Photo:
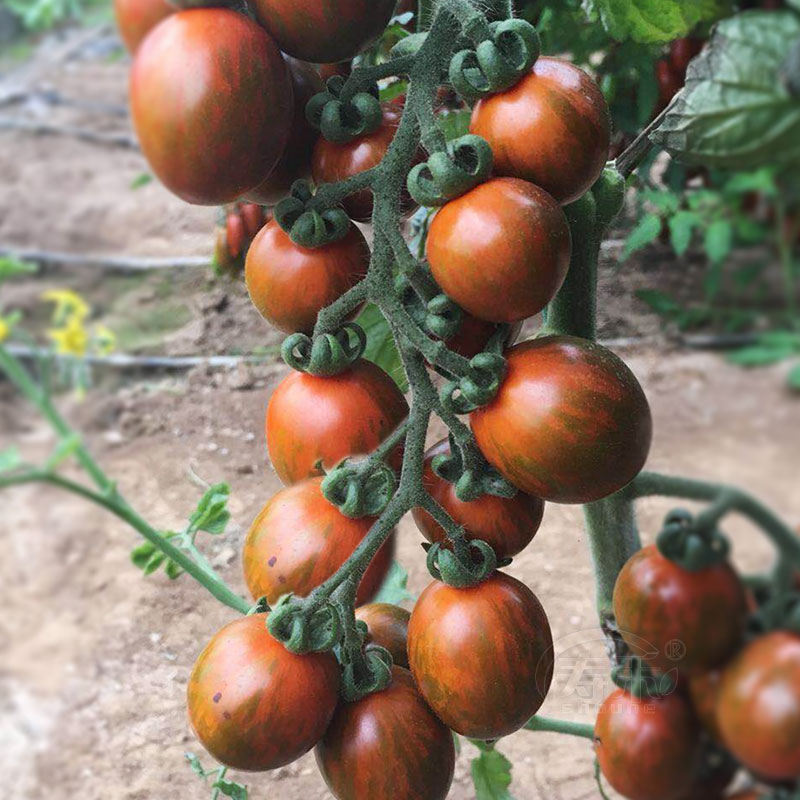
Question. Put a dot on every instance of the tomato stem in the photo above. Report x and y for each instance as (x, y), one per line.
(549, 725)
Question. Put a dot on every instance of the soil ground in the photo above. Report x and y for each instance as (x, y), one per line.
(94, 657)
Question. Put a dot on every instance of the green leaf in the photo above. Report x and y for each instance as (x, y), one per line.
(154, 562)
(142, 554)
(9, 459)
(393, 90)
(681, 227)
(645, 233)
(211, 514)
(491, 774)
(173, 570)
(65, 449)
(394, 587)
(141, 180)
(719, 240)
(659, 301)
(196, 766)
(381, 348)
(11, 267)
(230, 789)
(736, 112)
(762, 180)
(793, 378)
(760, 355)
(750, 231)
(663, 201)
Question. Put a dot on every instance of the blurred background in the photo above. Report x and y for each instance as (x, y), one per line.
(163, 365)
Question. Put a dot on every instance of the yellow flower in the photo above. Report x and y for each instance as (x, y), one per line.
(68, 305)
(5, 329)
(8, 323)
(104, 340)
(71, 338)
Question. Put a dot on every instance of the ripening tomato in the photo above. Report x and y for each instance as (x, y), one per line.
(669, 83)
(335, 162)
(323, 31)
(299, 540)
(483, 656)
(387, 745)
(682, 51)
(212, 104)
(647, 749)
(553, 128)
(234, 229)
(253, 217)
(704, 692)
(474, 334)
(501, 250)
(295, 163)
(388, 627)
(711, 781)
(570, 423)
(313, 422)
(676, 619)
(136, 18)
(290, 285)
(253, 704)
(759, 706)
(507, 524)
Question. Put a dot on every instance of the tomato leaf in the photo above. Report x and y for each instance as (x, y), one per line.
(394, 587)
(719, 240)
(736, 111)
(230, 789)
(11, 267)
(645, 233)
(659, 301)
(196, 766)
(681, 227)
(491, 774)
(760, 355)
(381, 349)
(141, 555)
(211, 514)
(9, 459)
(793, 378)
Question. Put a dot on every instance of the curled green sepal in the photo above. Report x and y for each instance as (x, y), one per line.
(685, 544)
(471, 483)
(261, 606)
(368, 672)
(449, 173)
(444, 317)
(307, 226)
(636, 678)
(467, 564)
(357, 492)
(300, 632)
(327, 354)
(478, 387)
(498, 63)
(341, 121)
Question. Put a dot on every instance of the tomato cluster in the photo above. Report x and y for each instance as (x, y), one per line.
(237, 227)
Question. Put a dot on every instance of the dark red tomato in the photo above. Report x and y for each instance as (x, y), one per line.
(253, 704)
(389, 744)
(234, 228)
(323, 31)
(669, 81)
(570, 423)
(313, 423)
(704, 692)
(474, 334)
(710, 783)
(299, 540)
(335, 162)
(343, 68)
(295, 163)
(517, 229)
(290, 285)
(647, 749)
(136, 18)
(253, 217)
(482, 657)
(212, 104)
(759, 706)
(682, 51)
(388, 627)
(553, 129)
(508, 525)
(676, 619)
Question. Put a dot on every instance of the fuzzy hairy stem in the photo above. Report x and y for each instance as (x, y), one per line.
(549, 725)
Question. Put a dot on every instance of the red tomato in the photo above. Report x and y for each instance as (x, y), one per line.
(759, 706)
(704, 692)
(313, 423)
(388, 745)
(253, 704)
(647, 749)
(253, 217)
(295, 163)
(682, 51)
(290, 285)
(482, 657)
(299, 540)
(136, 18)
(234, 228)
(323, 31)
(474, 334)
(212, 104)
(710, 782)
(553, 129)
(676, 619)
(669, 83)
(388, 627)
(570, 423)
(508, 525)
(501, 250)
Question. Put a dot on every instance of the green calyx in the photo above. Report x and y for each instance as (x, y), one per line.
(304, 630)
(636, 678)
(339, 118)
(360, 490)
(689, 543)
(306, 225)
(496, 63)
(467, 564)
(439, 316)
(452, 172)
(478, 387)
(327, 354)
(779, 613)
(472, 481)
(365, 672)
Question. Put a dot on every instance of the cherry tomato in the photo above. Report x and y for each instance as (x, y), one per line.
(388, 627)
(676, 619)
(313, 423)
(682, 51)
(136, 18)
(508, 525)
(253, 218)
(323, 31)
(570, 423)
(295, 163)
(711, 780)
(647, 749)
(212, 104)
(290, 285)
(501, 250)
(474, 334)
(299, 540)
(552, 128)
(234, 228)
(253, 704)
(759, 706)
(704, 692)
(669, 83)
(388, 745)
(483, 656)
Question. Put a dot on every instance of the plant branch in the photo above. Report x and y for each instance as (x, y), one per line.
(549, 725)
(639, 148)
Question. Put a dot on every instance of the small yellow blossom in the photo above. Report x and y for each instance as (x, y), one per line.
(68, 305)
(70, 339)
(5, 329)
(104, 340)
